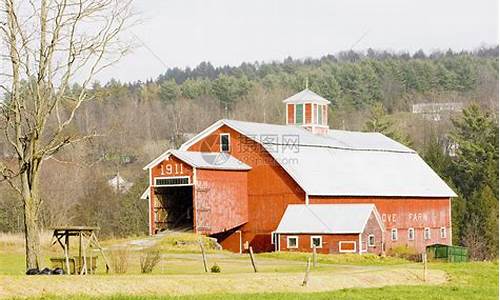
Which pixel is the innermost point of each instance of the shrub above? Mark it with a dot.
(119, 260)
(405, 252)
(149, 259)
(215, 269)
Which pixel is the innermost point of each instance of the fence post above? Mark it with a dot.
(306, 276)
(203, 256)
(424, 260)
(315, 257)
(252, 259)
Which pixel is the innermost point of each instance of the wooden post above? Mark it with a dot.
(424, 260)
(83, 264)
(80, 262)
(68, 270)
(94, 240)
(315, 258)
(252, 258)
(203, 256)
(306, 276)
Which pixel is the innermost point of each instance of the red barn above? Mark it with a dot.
(235, 180)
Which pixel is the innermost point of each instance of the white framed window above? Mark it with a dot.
(292, 241)
(371, 240)
(316, 240)
(427, 233)
(347, 247)
(394, 234)
(225, 141)
(411, 234)
(442, 232)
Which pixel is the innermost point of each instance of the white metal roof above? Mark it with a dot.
(336, 172)
(326, 218)
(341, 139)
(306, 96)
(342, 163)
(203, 160)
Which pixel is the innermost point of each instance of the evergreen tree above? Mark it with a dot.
(380, 122)
(169, 91)
(475, 173)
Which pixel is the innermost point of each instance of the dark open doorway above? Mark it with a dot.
(176, 211)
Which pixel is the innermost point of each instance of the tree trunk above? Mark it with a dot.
(31, 233)
(31, 199)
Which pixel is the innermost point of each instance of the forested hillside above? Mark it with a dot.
(370, 90)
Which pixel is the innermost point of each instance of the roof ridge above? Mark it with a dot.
(346, 148)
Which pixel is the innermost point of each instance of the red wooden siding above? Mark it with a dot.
(372, 227)
(171, 167)
(270, 188)
(330, 242)
(403, 213)
(220, 200)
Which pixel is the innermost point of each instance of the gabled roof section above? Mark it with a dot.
(306, 96)
(342, 163)
(326, 218)
(338, 139)
(203, 160)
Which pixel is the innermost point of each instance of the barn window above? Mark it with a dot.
(347, 246)
(371, 240)
(299, 113)
(224, 142)
(427, 233)
(394, 234)
(442, 232)
(315, 113)
(292, 241)
(411, 234)
(316, 240)
(168, 181)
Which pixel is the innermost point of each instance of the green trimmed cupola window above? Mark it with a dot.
(320, 115)
(299, 113)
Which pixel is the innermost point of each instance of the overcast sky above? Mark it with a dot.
(180, 33)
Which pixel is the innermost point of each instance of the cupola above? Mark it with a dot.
(308, 110)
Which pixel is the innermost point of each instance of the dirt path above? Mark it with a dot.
(346, 277)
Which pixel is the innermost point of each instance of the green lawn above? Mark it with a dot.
(473, 280)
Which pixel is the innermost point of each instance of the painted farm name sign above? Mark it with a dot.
(412, 217)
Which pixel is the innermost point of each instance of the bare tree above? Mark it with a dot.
(47, 46)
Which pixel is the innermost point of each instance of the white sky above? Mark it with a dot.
(180, 33)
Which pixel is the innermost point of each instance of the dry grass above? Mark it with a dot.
(120, 260)
(15, 241)
(215, 283)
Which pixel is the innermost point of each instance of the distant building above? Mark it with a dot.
(434, 111)
(119, 184)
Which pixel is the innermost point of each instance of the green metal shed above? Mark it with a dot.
(448, 253)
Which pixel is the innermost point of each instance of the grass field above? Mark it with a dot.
(180, 275)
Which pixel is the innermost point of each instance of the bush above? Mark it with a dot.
(215, 269)
(149, 259)
(405, 252)
(119, 260)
